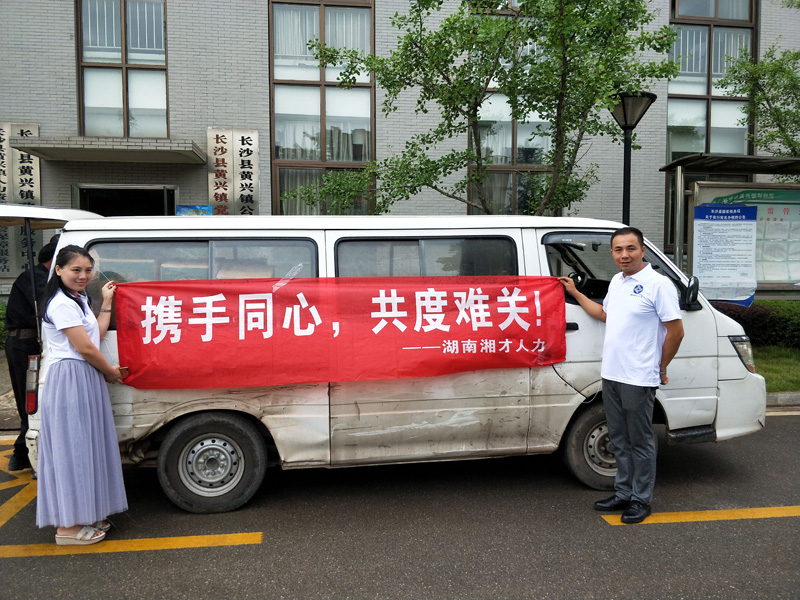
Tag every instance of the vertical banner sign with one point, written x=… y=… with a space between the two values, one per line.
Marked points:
x=220 y=170
x=5 y=246
x=20 y=183
x=260 y=332
x=725 y=251
x=233 y=171
x=245 y=173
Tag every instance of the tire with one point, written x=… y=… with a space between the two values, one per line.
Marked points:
x=588 y=451
x=212 y=462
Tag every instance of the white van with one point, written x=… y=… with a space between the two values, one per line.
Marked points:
x=212 y=446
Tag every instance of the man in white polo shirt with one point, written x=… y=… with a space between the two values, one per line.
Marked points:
x=643 y=332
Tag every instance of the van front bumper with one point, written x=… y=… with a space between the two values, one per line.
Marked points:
x=742 y=407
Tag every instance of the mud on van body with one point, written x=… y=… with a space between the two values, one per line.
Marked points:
x=212 y=447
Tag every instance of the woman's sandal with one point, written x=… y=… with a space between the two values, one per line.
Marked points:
x=87 y=535
x=103 y=526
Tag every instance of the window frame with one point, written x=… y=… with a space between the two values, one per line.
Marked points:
x=323 y=84
x=123 y=66
x=651 y=257
x=709 y=98
x=211 y=267
x=421 y=238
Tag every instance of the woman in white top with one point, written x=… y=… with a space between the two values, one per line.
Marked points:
x=80 y=473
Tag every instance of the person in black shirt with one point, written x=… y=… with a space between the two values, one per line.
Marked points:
x=23 y=340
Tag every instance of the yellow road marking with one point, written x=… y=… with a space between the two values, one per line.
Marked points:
x=713 y=515
x=138 y=545
x=16 y=482
x=11 y=507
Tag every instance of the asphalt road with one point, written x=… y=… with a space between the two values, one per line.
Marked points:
x=507 y=528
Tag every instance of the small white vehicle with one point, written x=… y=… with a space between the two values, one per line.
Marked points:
x=212 y=446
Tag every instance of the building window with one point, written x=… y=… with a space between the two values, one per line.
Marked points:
x=739 y=10
x=711 y=33
x=123 y=68
x=515 y=151
x=317 y=126
x=701 y=117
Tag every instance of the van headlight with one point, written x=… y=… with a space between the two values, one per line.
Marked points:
x=745 y=351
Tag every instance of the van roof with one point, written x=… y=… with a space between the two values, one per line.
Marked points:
x=40 y=217
x=385 y=222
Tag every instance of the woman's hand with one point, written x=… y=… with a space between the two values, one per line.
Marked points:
x=115 y=376
x=107 y=291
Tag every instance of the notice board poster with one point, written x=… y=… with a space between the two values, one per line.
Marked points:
x=777 y=250
x=725 y=251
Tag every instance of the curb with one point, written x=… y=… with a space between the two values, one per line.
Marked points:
x=783 y=399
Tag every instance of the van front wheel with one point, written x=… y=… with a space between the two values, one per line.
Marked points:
x=588 y=451
x=212 y=462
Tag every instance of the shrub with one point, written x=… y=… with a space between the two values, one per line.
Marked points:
x=786 y=322
x=767 y=322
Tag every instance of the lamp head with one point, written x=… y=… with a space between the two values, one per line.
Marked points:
x=630 y=108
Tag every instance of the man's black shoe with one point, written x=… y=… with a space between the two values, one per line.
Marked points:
x=17 y=463
x=636 y=512
x=613 y=503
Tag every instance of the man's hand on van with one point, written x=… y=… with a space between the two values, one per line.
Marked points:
x=593 y=309
x=569 y=285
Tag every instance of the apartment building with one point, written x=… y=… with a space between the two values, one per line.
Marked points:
x=126 y=107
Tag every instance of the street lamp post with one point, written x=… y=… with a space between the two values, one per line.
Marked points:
x=628 y=111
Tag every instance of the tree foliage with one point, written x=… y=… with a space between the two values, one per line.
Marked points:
x=772 y=87
x=562 y=59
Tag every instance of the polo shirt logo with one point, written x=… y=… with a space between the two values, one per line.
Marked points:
x=638 y=289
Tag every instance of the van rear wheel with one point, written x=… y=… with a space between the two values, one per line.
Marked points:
x=212 y=462
x=588 y=451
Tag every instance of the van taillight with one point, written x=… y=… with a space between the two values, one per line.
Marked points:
x=32 y=385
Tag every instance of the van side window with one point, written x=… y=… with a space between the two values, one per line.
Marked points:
x=586 y=257
x=253 y=259
x=426 y=257
x=150 y=260
x=172 y=260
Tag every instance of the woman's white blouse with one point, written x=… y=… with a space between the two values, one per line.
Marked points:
x=63 y=312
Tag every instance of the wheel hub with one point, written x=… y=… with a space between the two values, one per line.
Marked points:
x=210 y=465
x=599 y=451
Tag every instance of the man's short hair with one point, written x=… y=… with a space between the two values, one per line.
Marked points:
x=627 y=231
x=46 y=253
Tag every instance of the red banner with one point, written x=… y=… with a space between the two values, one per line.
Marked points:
x=260 y=332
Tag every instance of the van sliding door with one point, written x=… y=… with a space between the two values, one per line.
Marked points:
x=477 y=413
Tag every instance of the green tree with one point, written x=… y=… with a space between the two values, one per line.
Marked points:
x=772 y=88
x=564 y=59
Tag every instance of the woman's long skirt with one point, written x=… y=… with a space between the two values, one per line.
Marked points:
x=80 y=473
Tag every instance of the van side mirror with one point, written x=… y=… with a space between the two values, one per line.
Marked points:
x=689 y=295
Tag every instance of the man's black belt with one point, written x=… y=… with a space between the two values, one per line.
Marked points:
x=23 y=334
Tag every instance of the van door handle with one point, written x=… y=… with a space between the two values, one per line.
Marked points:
x=572 y=327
